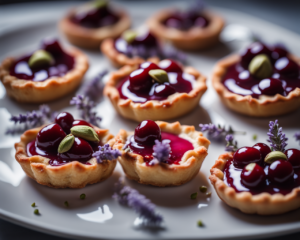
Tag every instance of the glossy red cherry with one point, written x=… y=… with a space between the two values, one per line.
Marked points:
x=81 y=122
x=253 y=175
x=81 y=151
x=280 y=171
x=164 y=90
x=49 y=137
x=147 y=39
x=174 y=22
x=246 y=155
x=52 y=46
x=149 y=66
x=293 y=156
x=140 y=80
x=201 y=22
x=65 y=120
x=287 y=67
x=279 y=52
x=170 y=66
x=147 y=132
x=271 y=86
x=264 y=149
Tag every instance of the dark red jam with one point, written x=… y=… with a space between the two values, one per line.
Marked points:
x=95 y=17
x=63 y=63
x=48 y=139
x=282 y=176
x=285 y=77
x=140 y=87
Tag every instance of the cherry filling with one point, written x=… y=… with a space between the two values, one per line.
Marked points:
x=48 y=139
x=281 y=176
x=140 y=87
x=95 y=17
x=63 y=63
x=285 y=75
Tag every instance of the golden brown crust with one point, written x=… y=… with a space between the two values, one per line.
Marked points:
x=193 y=39
x=175 y=105
x=263 y=203
x=163 y=175
x=92 y=38
x=264 y=106
x=48 y=90
x=70 y=175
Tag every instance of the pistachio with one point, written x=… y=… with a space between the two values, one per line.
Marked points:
x=159 y=75
x=273 y=156
x=260 y=66
x=85 y=132
x=129 y=35
x=250 y=167
x=99 y=3
x=66 y=144
x=40 y=58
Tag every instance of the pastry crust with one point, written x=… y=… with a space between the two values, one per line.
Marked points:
x=163 y=174
x=70 y=175
x=194 y=38
x=119 y=59
x=91 y=38
x=264 y=106
x=263 y=203
x=175 y=105
x=48 y=90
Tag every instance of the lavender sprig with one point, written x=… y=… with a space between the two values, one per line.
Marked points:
x=130 y=197
x=297 y=136
x=277 y=138
x=217 y=132
x=106 y=153
x=231 y=145
x=85 y=107
x=161 y=152
x=94 y=88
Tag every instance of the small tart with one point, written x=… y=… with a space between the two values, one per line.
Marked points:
x=263 y=203
x=164 y=174
x=264 y=106
x=92 y=37
x=70 y=175
x=49 y=89
x=175 y=105
x=195 y=38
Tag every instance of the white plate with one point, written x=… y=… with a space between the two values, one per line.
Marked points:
x=99 y=216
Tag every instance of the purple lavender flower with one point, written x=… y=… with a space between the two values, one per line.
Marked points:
x=130 y=197
x=297 y=136
x=85 y=107
x=94 y=88
x=277 y=138
x=217 y=132
x=161 y=151
x=231 y=145
x=106 y=153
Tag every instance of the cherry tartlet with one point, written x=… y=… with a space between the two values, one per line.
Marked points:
x=44 y=75
x=155 y=90
x=59 y=155
x=88 y=25
x=194 y=29
x=262 y=81
x=188 y=149
x=258 y=180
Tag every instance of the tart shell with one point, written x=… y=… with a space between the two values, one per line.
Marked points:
x=70 y=175
x=175 y=105
x=264 y=106
x=193 y=39
x=92 y=37
x=262 y=204
x=163 y=174
x=28 y=91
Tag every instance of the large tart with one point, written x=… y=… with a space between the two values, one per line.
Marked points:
x=88 y=25
x=188 y=149
x=45 y=75
x=39 y=155
x=262 y=81
x=136 y=95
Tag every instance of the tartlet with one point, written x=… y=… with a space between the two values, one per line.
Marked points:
x=261 y=106
x=174 y=105
x=69 y=174
x=52 y=88
x=137 y=168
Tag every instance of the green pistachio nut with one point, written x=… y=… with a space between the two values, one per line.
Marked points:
x=273 y=156
x=250 y=167
x=260 y=66
x=85 y=132
x=159 y=75
x=99 y=3
x=66 y=144
x=40 y=58
x=129 y=35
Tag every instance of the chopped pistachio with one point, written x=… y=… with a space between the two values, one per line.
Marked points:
x=194 y=195
x=40 y=58
x=261 y=66
x=254 y=136
x=203 y=189
x=66 y=203
x=273 y=156
x=85 y=132
x=82 y=196
x=250 y=166
x=36 y=212
x=33 y=204
x=208 y=194
x=66 y=144
x=159 y=75
x=200 y=223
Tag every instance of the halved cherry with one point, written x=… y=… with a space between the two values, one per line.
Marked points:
x=246 y=155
